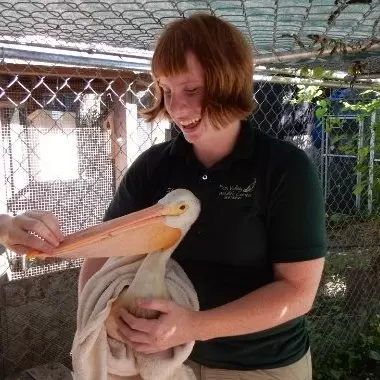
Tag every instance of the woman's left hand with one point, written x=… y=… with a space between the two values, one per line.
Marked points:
x=176 y=325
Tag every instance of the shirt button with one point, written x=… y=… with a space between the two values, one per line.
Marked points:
x=204 y=177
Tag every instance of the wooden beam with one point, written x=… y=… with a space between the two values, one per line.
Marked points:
x=70 y=72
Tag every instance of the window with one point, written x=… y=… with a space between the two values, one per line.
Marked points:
x=54 y=145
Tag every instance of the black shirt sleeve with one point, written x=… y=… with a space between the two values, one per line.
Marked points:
x=296 y=215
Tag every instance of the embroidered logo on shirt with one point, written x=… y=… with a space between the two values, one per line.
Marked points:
x=236 y=191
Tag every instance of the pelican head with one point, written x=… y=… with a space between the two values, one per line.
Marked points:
x=185 y=208
x=152 y=229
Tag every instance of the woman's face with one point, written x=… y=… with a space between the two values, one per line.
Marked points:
x=183 y=99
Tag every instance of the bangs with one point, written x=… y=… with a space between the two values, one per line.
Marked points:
x=169 y=58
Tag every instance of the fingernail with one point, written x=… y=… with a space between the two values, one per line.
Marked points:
x=32 y=254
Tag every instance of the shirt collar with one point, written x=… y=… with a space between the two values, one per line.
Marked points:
x=243 y=149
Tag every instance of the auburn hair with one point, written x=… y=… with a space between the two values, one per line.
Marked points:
x=226 y=58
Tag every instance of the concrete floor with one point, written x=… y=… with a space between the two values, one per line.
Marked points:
x=52 y=371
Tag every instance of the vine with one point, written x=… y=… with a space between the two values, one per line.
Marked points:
x=365 y=105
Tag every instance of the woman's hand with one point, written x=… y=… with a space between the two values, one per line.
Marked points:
x=176 y=325
x=18 y=233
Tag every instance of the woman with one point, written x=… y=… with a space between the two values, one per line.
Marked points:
x=256 y=253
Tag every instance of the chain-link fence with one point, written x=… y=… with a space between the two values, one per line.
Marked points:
x=66 y=141
x=69 y=128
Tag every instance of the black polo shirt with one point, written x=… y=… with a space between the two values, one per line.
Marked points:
x=260 y=205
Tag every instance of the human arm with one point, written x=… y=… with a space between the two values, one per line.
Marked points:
x=291 y=295
x=88 y=269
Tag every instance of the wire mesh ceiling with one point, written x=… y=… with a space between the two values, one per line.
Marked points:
x=273 y=26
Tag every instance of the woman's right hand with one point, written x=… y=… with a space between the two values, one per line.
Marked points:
x=18 y=233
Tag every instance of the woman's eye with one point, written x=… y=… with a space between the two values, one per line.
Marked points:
x=191 y=90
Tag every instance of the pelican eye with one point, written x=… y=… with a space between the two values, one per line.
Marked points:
x=175 y=209
x=183 y=207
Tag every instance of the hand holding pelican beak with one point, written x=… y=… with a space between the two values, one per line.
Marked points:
x=141 y=232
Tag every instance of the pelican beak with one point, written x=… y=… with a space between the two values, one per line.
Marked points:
x=138 y=233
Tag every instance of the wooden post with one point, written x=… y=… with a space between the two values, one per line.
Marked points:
x=119 y=130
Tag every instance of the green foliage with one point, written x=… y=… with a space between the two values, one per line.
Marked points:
x=364 y=107
x=339 y=263
x=369 y=101
x=360 y=361
x=307 y=94
x=315 y=72
x=349 y=349
x=343 y=353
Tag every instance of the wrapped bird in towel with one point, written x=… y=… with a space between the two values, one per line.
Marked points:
x=96 y=356
x=154 y=232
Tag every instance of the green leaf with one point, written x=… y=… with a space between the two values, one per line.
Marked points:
x=338 y=138
x=318 y=93
x=375 y=355
x=320 y=112
x=364 y=151
x=322 y=103
x=367 y=92
x=319 y=72
x=304 y=71
x=358 y=189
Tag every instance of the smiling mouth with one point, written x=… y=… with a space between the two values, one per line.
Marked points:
x=189 y=124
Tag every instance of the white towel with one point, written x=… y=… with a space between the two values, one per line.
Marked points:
x=96 y=356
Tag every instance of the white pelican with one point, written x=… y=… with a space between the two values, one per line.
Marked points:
x=155 y=231
x=181 y=208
